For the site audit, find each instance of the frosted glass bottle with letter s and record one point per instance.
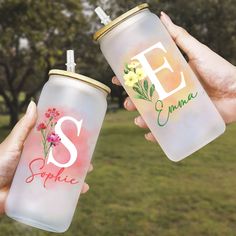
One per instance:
(58, 151)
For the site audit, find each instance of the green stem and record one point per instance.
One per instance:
(48, 150)
(44, 142)
(44, 137)
(144, 92)
(49, 127)
(140, 86)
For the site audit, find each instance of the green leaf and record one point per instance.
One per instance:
(145, 85)
(126, 71)
(137, 90)
(140, 97)
(126, 66)
(152, 89)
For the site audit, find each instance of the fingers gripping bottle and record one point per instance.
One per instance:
(159, 81)
(58, 151)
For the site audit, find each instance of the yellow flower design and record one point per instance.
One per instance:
(135, 77)
(140, 73)
(130, 79)
(133, 64)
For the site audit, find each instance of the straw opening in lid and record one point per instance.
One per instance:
(112, 24)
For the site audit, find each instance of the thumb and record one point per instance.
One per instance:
(191, 46)
(12, 146)
(18, 135)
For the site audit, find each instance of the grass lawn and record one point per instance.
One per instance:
(137, 191)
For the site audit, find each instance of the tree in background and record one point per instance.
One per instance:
(34, 35)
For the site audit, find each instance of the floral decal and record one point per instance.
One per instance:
(49, 137)
(134, 76)
(53, 139)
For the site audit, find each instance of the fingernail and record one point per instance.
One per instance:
(30, 108)
(85, 188)
(162, 13)
(90, 168)
(126, 103)
(165, 17)
(137, 120)
(114, 80)
(147, 136)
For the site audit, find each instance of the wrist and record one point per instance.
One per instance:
(227, 109)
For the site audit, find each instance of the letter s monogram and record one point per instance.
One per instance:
(66, 142)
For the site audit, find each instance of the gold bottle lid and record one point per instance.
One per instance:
(83, 78)
(104, 30)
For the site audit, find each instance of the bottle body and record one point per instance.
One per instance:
(57, 154)
(161, 84)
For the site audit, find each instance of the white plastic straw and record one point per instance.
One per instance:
(105, 19)
(70, 61)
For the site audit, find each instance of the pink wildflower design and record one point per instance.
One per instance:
(52, 113)
(41, 126)
(54, 139)
(49, 138)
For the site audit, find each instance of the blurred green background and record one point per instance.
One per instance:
(135, 189)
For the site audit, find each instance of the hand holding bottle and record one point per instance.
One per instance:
(216, 74)
(11, 148)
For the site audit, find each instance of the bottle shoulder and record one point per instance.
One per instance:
(60, 88)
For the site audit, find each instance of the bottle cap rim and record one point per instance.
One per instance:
(105, 29)
(83, 78)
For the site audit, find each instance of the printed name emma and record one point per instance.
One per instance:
(162, 119)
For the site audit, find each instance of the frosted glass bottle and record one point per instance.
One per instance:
(160, 82)
(57, 153)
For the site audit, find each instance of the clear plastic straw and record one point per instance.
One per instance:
(70, 62)
(105, 19)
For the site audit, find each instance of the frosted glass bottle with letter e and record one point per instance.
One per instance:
(159, 81)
